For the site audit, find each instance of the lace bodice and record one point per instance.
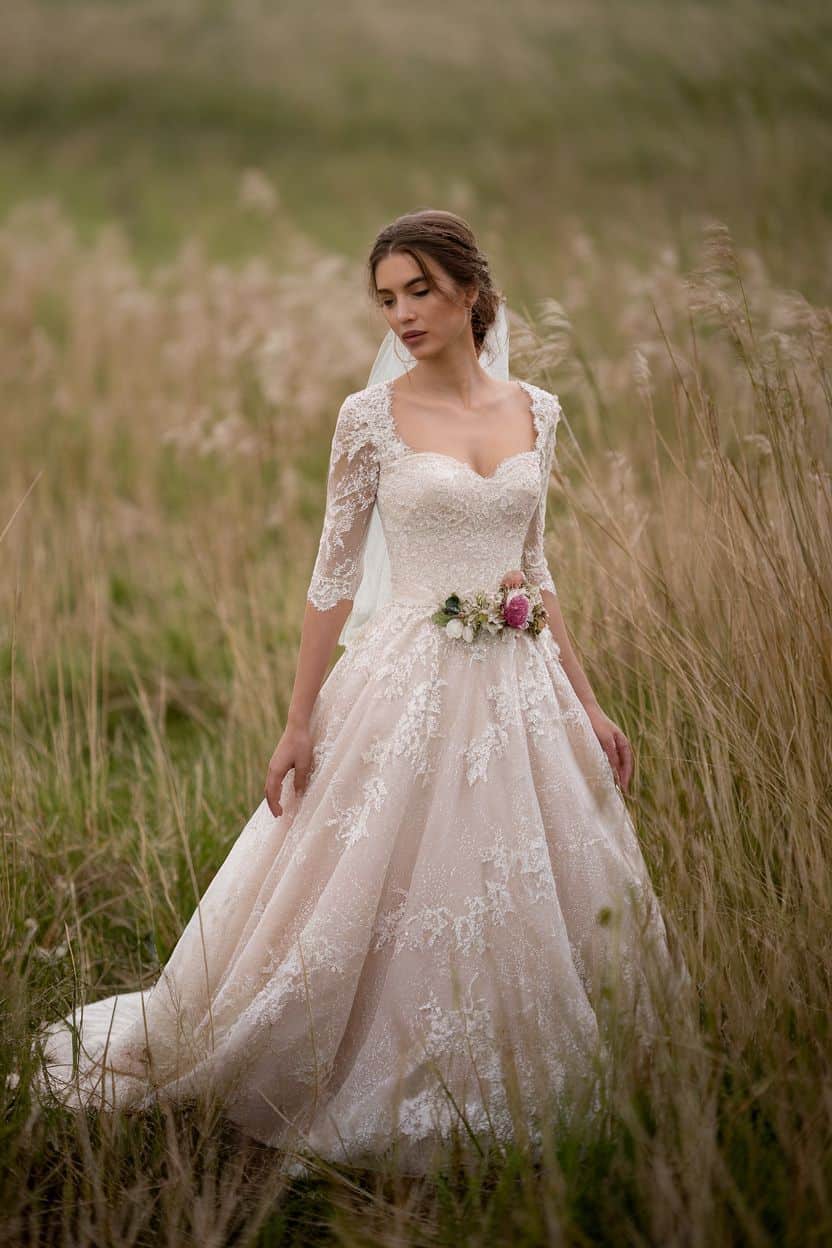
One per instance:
(448, 528)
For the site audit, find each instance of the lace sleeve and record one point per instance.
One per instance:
(534, 562)
(350, 493)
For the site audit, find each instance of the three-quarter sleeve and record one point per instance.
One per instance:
(535, 564)
(352, 483)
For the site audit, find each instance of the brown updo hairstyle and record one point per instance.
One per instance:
(448, 240)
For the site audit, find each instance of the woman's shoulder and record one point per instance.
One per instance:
(364, 413)
(546, 402)
(361, 416)
(538, 390)
(367, 399)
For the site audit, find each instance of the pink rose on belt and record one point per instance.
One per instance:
(515, 605)
(516, 610)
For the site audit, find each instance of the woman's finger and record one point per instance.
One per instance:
(608, 742)
(625, 751)
(618, 760)
(625, 758)
(301, 778)
(274, 786)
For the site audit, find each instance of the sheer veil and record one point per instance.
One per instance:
(375, 589)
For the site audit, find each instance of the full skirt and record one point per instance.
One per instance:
(425, 943)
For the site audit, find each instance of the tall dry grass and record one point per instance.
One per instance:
(166, 436)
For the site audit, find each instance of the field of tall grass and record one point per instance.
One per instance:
(187, 193)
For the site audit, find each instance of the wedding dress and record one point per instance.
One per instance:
(422, 941)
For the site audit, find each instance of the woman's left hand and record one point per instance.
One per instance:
(615, 745)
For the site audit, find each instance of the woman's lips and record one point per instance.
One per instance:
(412, 337)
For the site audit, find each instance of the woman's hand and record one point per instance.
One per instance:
(614, 744)
(294, 749)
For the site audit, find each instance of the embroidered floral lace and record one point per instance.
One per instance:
(426, 937)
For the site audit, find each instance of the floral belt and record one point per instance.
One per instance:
(491, 612)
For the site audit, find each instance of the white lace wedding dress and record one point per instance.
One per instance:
(421, 942)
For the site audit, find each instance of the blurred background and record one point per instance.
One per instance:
(188, 192)
(630, 122)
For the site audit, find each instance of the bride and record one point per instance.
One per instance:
(420, 931)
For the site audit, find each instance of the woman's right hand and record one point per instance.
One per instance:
(294, 749)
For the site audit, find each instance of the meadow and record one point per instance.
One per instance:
(187, 195)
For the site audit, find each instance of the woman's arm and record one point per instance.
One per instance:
(536, 568)
(352, 483)
(319, 633)
(568, 659)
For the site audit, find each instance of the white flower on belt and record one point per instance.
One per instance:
(514, 605)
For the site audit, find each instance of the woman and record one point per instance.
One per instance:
(413, 937)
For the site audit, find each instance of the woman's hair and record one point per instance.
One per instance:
(449, 241)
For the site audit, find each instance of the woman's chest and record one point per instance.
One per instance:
(429, 488)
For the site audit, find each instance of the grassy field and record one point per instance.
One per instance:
(187, 194)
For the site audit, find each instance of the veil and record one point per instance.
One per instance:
(375, 588)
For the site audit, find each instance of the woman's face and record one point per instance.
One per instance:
(425, 318)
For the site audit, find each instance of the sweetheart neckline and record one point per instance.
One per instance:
(463, 463)
(407, 449)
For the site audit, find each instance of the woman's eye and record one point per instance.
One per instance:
(386, 303)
